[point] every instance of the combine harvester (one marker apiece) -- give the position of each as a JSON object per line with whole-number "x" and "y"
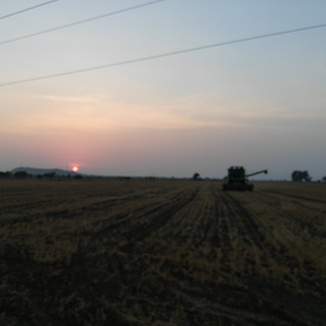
{"x": 236, "y": 179}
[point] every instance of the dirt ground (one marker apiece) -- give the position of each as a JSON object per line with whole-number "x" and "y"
{"x": 161, "y": 252}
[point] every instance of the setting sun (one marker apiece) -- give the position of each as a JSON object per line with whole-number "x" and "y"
{"x": 75, "y": 169}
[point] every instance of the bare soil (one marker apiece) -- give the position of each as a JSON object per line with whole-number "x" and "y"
{"x": 161, "y": 252}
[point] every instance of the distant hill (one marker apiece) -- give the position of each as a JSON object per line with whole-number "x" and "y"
{"x": 39, "y": 171}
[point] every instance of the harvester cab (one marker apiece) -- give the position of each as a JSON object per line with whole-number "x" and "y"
{"x": 237, "y": 179}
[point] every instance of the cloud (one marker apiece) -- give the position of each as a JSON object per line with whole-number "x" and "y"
{"x": 217, "y": 110}
{"x": 93, "y": 98}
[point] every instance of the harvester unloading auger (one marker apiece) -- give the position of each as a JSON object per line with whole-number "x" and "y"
{"x": 237, "y": 179}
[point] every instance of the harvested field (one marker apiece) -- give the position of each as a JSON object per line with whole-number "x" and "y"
{"x": 163, "y": 252}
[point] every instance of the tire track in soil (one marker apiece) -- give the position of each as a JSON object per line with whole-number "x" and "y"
{"x": 246, "y": 223}
{"x": 230, "y": 314}
{"x": 299, "y": 201}
{"x": 140, "y": 218}
{"x": 221, "y": 237}
{"x": 245, "y": 243}
{"x": 241, "y": 220}
{"x": 277, "y": 251}
{"x": 214, "y": 308}
{"x": 297, "y": 197}
{"x": 161, "y": 215}
{"x": 144, "y": 280}
{"x": 211, "y": 229}
{"x": 283, "y": 248}
{"x": 183, "y": 222}
{"x": 196, "y": 219}
{"x": 253, "y": 230}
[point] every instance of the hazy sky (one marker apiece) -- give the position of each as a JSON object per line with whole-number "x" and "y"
{"x": 260, "y": 103}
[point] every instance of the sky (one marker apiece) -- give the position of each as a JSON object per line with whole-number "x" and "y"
{"x": 259, "y": 103}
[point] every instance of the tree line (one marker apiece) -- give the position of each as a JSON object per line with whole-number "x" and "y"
{"x": 25, "y": 175}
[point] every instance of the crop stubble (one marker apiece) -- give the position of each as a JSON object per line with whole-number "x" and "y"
{"x": 163, "y": 252}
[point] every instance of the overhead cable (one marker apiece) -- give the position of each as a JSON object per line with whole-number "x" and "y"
{"x": 80, "y": 22}
{"x": 162, "y": 55}
{"x": 27, "y": 9}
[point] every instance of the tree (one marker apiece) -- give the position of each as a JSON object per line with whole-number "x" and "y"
{"x": 300, "y": 176}
{"x": 5, "y": 175}
{"x": 21, "y": 174}
{"x": 78, "y": 176}
{"x": 49, "y": 175}
{"x": 196, "y": 176}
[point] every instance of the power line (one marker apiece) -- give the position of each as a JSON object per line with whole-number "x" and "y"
{"x": 80, "y": 22}
{"x": 162, "y": 55}
{"x": 27, "y": 9}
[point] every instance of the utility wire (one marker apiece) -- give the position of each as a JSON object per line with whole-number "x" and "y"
{"x": 27, "y": 9}
{"x": 80, "y": 22}
{"x": 162, "y": 55}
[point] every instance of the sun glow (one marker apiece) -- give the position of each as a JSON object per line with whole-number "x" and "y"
{"x": 75, "y": 168}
